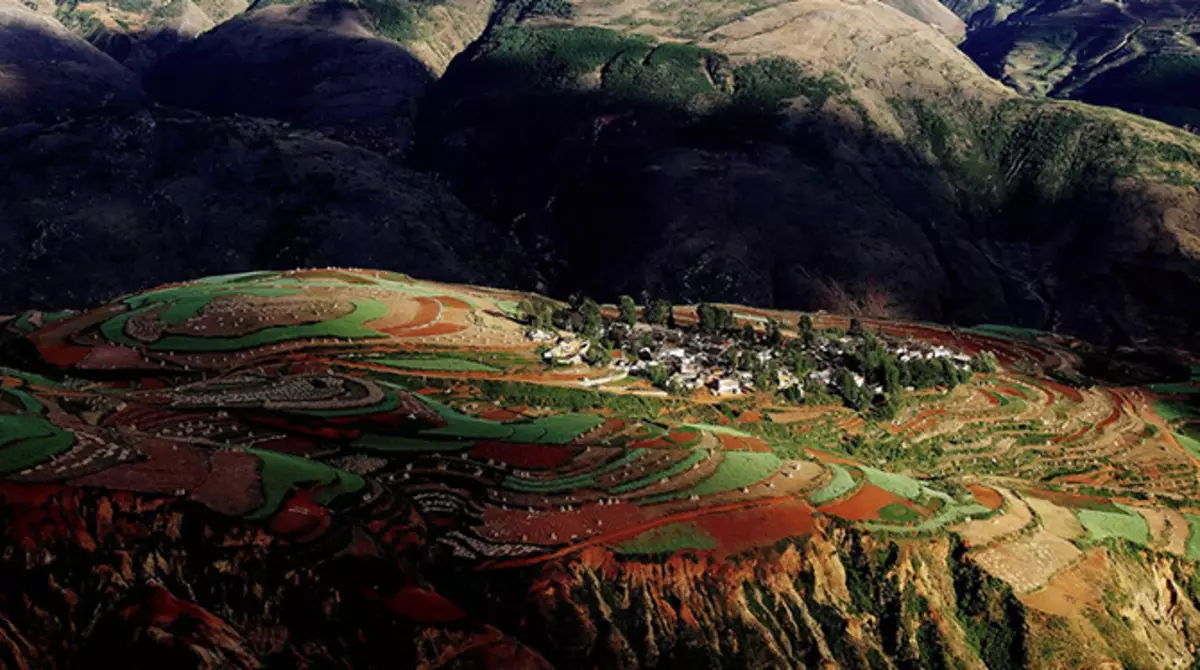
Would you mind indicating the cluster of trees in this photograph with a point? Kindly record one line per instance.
(715, 319)
(658, 312)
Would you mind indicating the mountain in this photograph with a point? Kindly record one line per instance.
(165, 194)
(356, 468)
(811, 153)
(46, 72)
(828, 155)
(1141, 57)
(317, 66)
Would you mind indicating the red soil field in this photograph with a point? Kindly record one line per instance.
(498, 415)
(524, 455)
(753, 416)
(419, 604)
(746, 529)
(863, 505)
(300, 519)
(1062, 389)
(453, 303)
(1073, 436)
(1066, 499)
(735, 443)
(1112, 416)
(988, 497)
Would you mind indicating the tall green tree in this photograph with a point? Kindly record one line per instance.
(593, 322)
(808, 337)
(628, 309)
(774, 333)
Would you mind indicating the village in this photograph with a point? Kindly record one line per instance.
(718, 356)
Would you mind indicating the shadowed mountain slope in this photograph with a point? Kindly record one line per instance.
(129, 201)
(45, 71)
(791, 157)
(317, 66)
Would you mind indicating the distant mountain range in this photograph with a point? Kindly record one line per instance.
(806, 153)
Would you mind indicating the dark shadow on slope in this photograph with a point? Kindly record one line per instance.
(107, 204)
(46, 72)
(625, 195)
(317, 66)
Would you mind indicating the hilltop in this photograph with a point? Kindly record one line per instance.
(443, 473)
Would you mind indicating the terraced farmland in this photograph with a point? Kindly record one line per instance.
(312, 402)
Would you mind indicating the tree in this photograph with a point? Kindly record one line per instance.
(714, 319)
(856, 328)
(852, 393)
(593, 322)
(654, 312)
(765, 380)
(659, 376)
(536, 313)
(949, 374)
(804, 326)
(598, 354)
(628, 310)
(774, 333)
(891, 375)
(885, 407)
(748, 333)
(985, 361)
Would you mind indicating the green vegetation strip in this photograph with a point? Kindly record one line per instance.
(668, 539)
(722, 430)
(905, 487)
(575, 481)
(1193, 543)
(1191, 444)
(349, 326)
(678, 467)
(950, 513)
(282, 473)
(841, 484)
(1173, 388)
(737, 469)
(557, 429)
(1127, 525)
(899, 513)
(1176, 411)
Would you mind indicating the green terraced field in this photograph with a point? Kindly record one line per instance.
(1176, 411)
(676, 468)
(905, 487)
(668, 539)
(841, 484)
(737, 469)
(897, 513)
(718, 429)
(282, 473)
(1123, 525)
(1193, 543)
(574, 481)
(557, 429)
